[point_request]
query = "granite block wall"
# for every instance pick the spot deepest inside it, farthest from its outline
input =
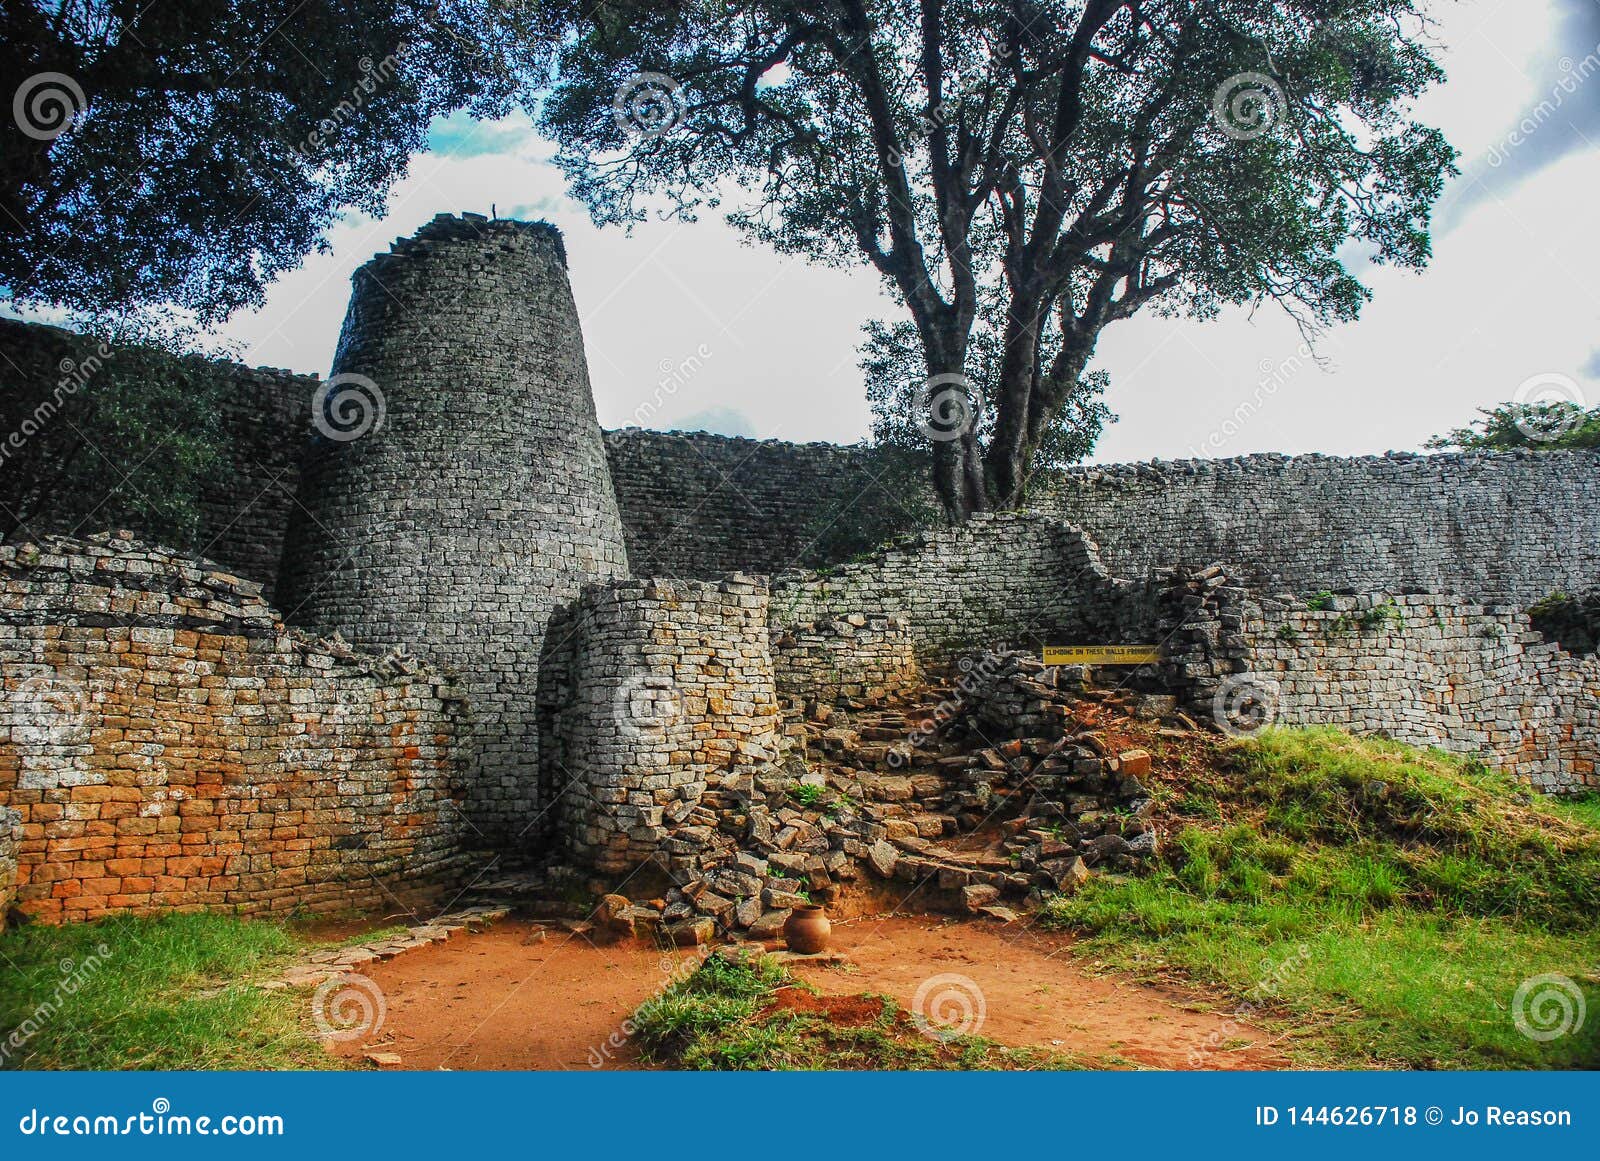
(457, 489)
(699, 505)
(652, 687)
(244, 499)
(169, 745)
(1423, 668)
(1517, 525)
(855, 658)
(1514, 526)
(245, 506)
(10, 840)
(1001, 581)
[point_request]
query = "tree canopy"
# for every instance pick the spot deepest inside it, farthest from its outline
(1048, 166)
(1549, 425)
(184, 153)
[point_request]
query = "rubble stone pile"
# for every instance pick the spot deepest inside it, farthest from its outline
(993, 791)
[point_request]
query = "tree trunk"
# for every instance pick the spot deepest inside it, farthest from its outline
(949, 417)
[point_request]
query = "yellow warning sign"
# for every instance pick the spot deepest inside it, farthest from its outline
(1102, 654)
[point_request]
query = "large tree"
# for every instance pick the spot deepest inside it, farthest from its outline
(184, 152)
(1068, 161)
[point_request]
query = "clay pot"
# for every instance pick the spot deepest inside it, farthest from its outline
(807, 929)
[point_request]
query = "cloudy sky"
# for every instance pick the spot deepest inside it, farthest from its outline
(1513, 293)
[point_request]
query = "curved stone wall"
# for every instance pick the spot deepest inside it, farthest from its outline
(480, 501)
(652, 688)
(167, 743)
(1013, 580)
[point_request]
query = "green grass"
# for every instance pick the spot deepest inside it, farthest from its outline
(157, 993)
(722, 1018)
(1372, 902)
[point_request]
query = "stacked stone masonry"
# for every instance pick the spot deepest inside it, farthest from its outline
(243, 500)
(856, 658)
(1516, 526)
(480, 502)
(1421, 668)
(1510, 525)
(167, 744)
(651, 689)
(1472, 679)
(10, 840)
(999, 581)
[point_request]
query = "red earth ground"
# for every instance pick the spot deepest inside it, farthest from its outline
(494, 1000)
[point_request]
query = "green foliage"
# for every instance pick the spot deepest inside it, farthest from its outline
(1572, 622)
(892, 366)
(104, 434)
(884, 496)
(1320, 602)
(163, 993)
(1550, 426)
(215, 143)
(1384, 614)
(807, 794)
(1408, 892)
(1022, 177)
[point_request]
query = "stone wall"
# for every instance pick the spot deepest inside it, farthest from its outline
(464, 493)
(855, 658)
(1422, 668)
(700, 505)
(10, 839)
(1509, 525)
(244, 500)
(1514, 524)
(168, 744)
(650, 688)
(1003, 581)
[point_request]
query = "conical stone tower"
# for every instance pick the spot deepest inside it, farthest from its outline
(457, 490)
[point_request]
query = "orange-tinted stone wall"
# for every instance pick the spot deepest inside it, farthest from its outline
(168, 744)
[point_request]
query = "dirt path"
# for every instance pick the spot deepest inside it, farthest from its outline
(1033, 992)
(493, 1001)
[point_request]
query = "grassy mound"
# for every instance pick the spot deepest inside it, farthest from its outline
(751, 1014)
(1380, 903)
(161, 993)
